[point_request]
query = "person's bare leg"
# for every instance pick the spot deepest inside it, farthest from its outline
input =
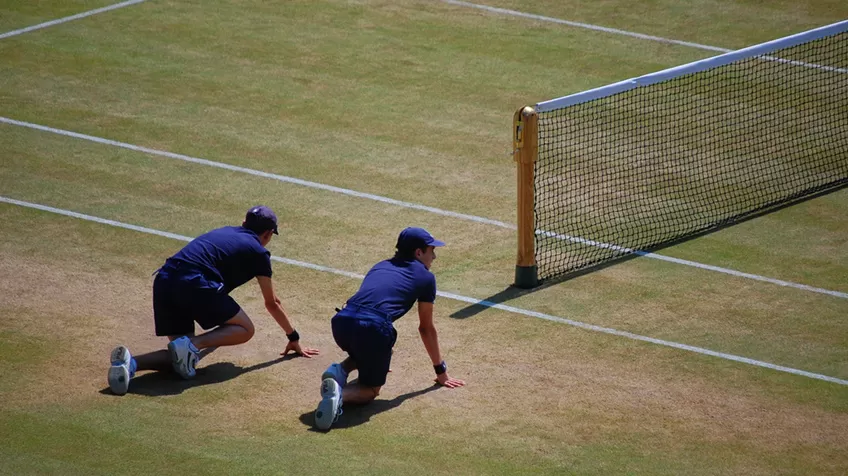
(359, 394)
(237, 330)
(156, 360)
(160, 360)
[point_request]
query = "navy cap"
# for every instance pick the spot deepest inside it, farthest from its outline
(261, 219)
(414, 238)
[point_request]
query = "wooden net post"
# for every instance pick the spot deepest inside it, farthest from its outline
(525, 150)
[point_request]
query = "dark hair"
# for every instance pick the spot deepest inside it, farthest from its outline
(257, 228)
(408, 253)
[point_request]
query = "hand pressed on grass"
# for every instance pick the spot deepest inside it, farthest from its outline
(449, 382)
(294, 346)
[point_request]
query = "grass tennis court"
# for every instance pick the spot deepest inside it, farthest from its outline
(411, 101)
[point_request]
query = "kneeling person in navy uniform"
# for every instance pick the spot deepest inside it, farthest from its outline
(194, 286)
(364, 329)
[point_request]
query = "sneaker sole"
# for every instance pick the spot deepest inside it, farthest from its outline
(119, 379)
(322, 419)
(120, 355)
(328, 409)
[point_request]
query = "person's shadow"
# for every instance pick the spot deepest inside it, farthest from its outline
(353, 415)
(155, 384)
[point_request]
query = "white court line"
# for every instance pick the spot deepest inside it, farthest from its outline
(457, 297)
(415, 206)
(632, 34)
(70, 18)
(693, 264)
(258, 173)
(587, 26)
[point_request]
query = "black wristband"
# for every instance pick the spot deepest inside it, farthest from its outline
(294, 336)
(441, 368)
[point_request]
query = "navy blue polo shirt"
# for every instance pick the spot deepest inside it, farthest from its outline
(392, 287)
(227, 257)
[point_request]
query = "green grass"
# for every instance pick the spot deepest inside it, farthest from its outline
(411, 100)
(728, 24)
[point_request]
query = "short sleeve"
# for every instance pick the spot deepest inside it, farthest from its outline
(428, 289)
(263, 264)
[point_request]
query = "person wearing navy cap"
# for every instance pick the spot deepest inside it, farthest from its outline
(194, 286)
(364, 330)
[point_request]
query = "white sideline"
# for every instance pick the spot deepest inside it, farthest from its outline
(587, 26)
(457, 297)
(70, 18)
(391, 201)
(693, 264)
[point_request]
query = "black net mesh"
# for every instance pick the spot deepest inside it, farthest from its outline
(655, 164)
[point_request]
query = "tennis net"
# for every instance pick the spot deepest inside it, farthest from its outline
(649, 161)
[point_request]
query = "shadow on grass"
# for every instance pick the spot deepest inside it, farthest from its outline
(513, 292)
(156, 384)
(354, 415)
(507, 294)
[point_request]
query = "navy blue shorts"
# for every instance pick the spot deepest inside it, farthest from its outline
(369, 343)
(180, 300)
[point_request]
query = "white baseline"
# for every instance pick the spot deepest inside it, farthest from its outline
(415, 206)
(457, 297)
(70, 18)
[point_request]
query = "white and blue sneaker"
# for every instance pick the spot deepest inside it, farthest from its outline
(184, 356)
(330, 407)
(122, 370)
(336, 372)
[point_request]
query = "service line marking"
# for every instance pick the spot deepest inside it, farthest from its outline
(391, 201)
(456, 297)
(588, 26)
(70, 18)
(632, 34)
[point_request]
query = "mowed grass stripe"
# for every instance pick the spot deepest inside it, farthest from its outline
(641, 36)
(69, 18)
(647, 297)
(400, 203)
(401, 100)
(719, 23)
(615, 31)
(258, 173)
(456, 297)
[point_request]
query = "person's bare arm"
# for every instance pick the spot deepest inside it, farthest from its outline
(275, 308)
(430, 338)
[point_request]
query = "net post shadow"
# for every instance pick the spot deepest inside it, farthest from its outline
(513, 292)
